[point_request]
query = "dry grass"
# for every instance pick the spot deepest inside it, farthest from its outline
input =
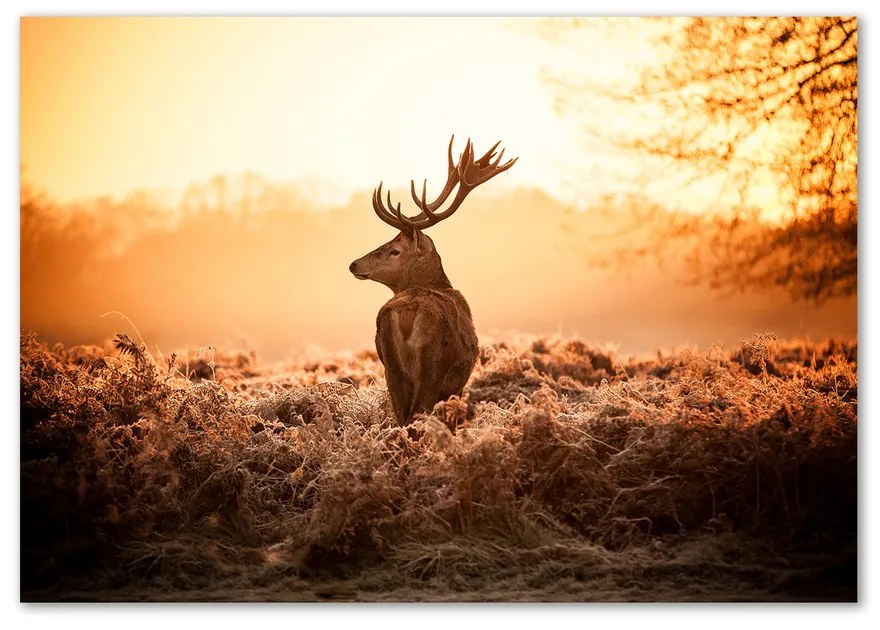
(727, 475)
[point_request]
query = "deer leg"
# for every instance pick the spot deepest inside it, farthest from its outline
(400, 390)
(426, 391)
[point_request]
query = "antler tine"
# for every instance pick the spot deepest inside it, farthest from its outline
(425, 207)
(404, 221)
(466, 163)
(498, 159)
(487, 158)
(449, 153)
(507, 164)
(467, 174)
(452, 178)
(423, 204)
(381, 211)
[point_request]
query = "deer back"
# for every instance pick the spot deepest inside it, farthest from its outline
(427, 342)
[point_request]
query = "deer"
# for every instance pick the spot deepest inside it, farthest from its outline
(425, 335)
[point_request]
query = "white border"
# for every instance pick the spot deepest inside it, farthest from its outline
(381, 616)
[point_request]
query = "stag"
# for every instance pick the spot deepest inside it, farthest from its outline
(425, 335)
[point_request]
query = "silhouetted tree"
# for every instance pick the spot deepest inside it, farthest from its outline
(736, 97)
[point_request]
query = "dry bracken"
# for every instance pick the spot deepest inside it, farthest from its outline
(572, 476)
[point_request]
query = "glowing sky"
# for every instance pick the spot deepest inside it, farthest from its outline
(113, 105)
(109, 105)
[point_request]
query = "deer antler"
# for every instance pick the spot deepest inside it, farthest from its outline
(467, 174)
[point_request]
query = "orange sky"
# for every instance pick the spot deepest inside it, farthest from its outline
(111, 105)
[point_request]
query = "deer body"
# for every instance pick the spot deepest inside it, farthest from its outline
(425, 334)
(426, 340)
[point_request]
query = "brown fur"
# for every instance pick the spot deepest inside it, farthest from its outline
(425, 335)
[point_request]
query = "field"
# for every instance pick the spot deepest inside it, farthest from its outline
(570, 475)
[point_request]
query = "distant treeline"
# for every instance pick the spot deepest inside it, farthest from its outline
(268, 270)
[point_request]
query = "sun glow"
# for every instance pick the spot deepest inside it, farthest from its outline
(114, 105)
(110, 105)
(322, 109)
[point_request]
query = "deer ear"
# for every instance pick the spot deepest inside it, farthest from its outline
(417, 239)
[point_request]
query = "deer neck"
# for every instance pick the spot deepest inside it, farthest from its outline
(426, 273)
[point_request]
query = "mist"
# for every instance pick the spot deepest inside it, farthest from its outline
(270, 274)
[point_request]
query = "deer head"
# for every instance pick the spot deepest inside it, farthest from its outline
(410, 258)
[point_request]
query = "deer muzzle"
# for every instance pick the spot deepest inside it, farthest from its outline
(360, 275)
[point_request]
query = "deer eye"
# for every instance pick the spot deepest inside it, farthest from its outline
(395, 252)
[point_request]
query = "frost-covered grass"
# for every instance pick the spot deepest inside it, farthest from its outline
(570, 475)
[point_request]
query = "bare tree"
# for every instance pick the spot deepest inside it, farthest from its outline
(735, 98)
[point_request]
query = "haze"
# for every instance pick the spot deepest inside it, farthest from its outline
(322, 109)
(110, 105)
